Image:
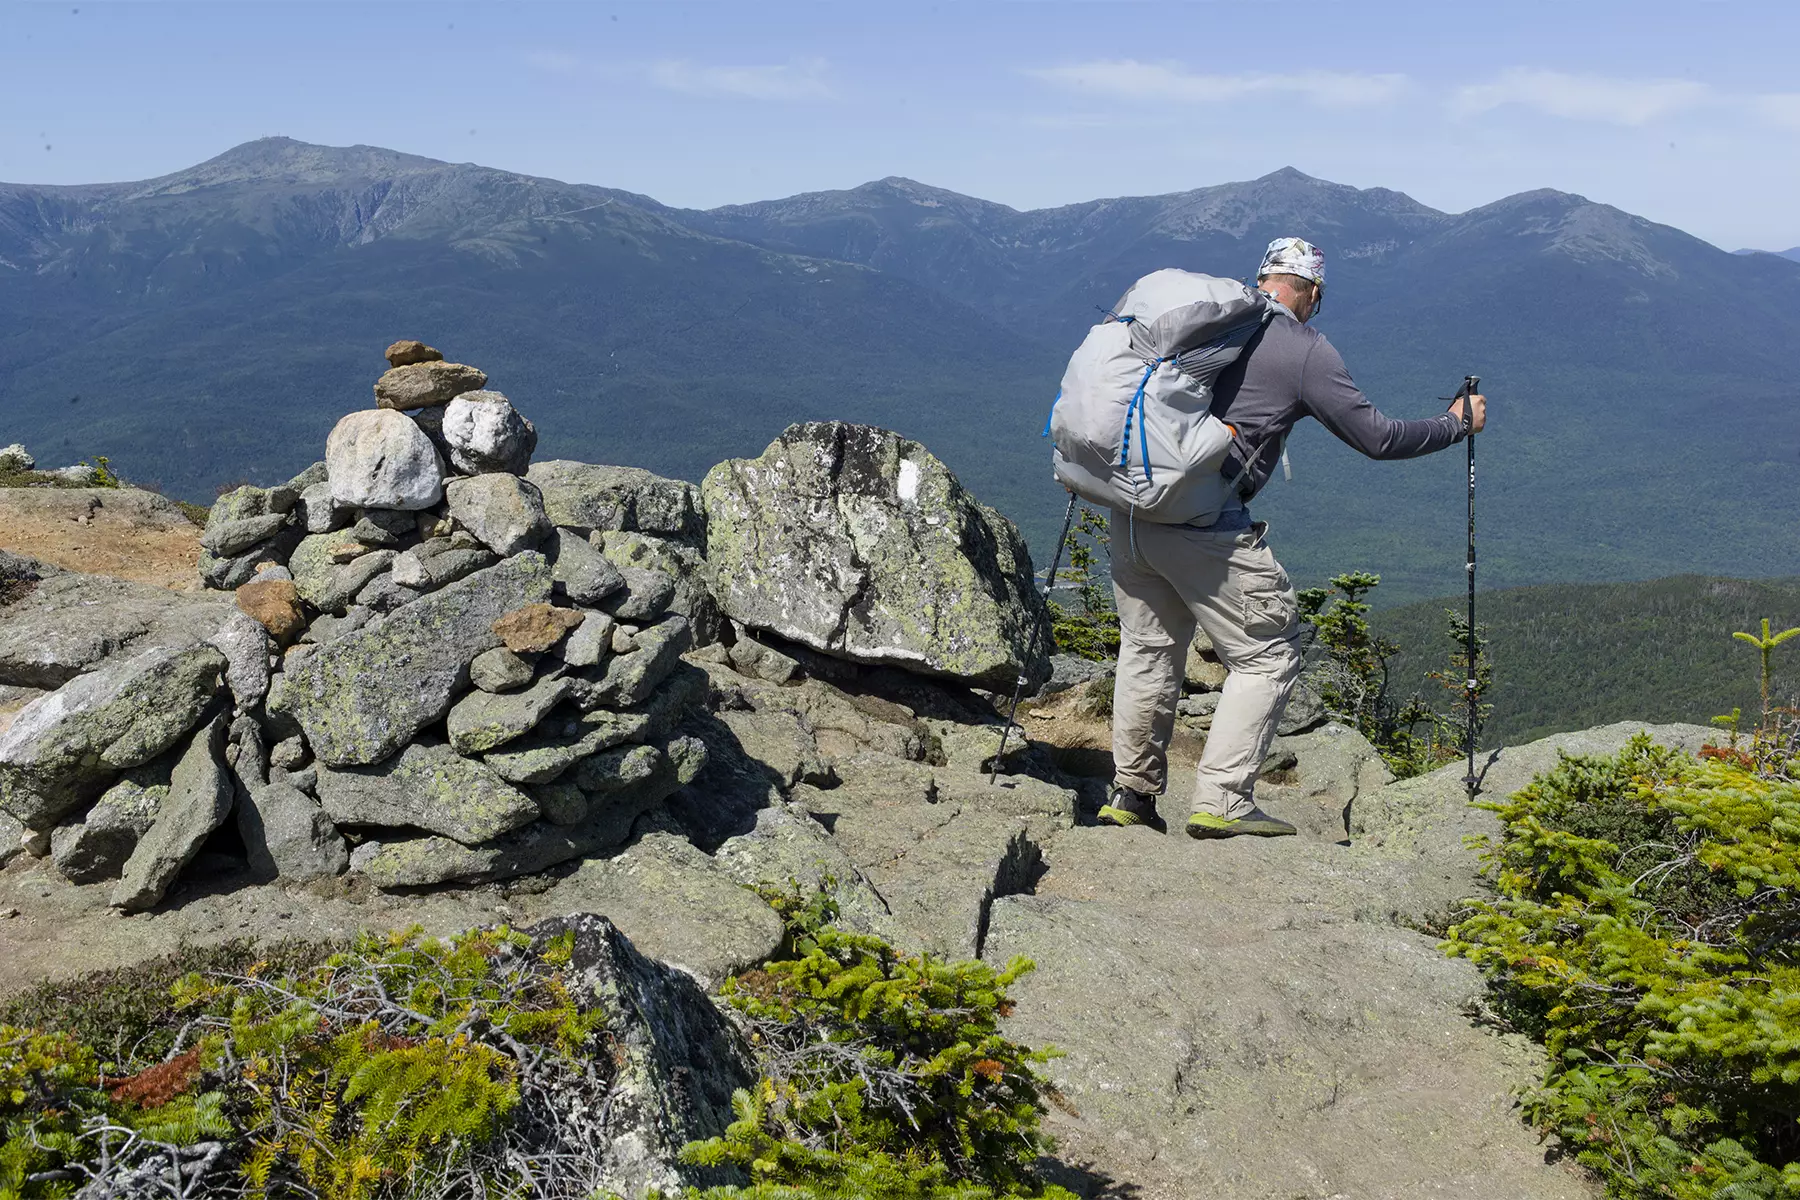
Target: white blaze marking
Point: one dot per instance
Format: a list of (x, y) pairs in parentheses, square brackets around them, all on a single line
[(909, 479)]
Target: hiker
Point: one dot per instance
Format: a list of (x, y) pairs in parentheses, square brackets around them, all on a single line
[(1221, 575)]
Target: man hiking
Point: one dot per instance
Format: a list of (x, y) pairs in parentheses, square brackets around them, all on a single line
[(1167, 578)]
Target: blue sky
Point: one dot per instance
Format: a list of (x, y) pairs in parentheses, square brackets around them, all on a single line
[(1687, 112)]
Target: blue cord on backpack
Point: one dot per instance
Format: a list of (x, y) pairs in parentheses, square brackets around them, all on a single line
[(1136, 407)]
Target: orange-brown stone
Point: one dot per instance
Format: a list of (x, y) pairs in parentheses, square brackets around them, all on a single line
[(536, 627), (275, 603)]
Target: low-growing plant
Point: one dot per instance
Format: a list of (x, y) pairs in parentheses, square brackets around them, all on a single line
[(1090, 628), (1645, 930), (884, 1074)]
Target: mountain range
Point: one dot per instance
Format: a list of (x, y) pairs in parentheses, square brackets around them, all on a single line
[(211, 325)]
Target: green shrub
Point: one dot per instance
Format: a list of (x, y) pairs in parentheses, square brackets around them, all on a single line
[(1645, 931), (884, 1075)]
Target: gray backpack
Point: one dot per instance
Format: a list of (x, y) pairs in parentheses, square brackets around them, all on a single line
[(1133, 430)]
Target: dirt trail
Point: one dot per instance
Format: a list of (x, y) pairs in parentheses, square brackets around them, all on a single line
[(122, 532)]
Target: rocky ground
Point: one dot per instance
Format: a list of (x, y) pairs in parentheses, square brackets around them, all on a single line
[(124, 533), (435, 725)]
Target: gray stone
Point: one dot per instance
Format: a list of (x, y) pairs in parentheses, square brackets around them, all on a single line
[(234, 571), (289, 754), (286, 834), (1305, 710), (561, 802), (589, 642), (36, 843), (457, 563), (647, 595), (788, 848), (1068, 670), (1203, 705), (246, 647), (329, 627), (615, 769), (425, 385), (682, 563), (381, 459), (502, 510), (199, 800), (481, 720), (677, 1062), (318, 512), (384, 527), (96, 847), (326, 583), (16, 458), (562, 741), (384, 595), (499, 670), (12, 837), (624, 639), (861, 544), (484, 433), (750, 657), (677, 904), (782, 744), (79, 474), (582, 573), (1203, 671), (251, 501), (62, 748), (272, 573), (317, 473), (366, 694), (418, 862), (227, 538), (69, 623), (630, 678), (589, 496), (428, 786)]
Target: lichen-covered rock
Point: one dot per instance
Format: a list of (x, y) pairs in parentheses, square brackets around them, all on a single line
[(499, 670), (534, 628), (97, 847), (385, 527), (589, 496), (564, 740), (69, 623), (861, 544), (484, 432), (582, 573), (503, 511), (286, 834), (481, 720), (199, 800), (381, 459), (630, 678), (682, 563), (248, 501), (426, 384), (647, 594), (64, 747), (329, 569), (418, 862), (427, 786), (318, 512), (366, 694), (245, 644), (226, 538), (590, 641), (16, 458)]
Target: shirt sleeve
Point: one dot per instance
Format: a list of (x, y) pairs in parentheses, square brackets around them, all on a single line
[(1329, 394)]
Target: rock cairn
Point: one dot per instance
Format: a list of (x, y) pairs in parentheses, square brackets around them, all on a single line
[(443, 663)]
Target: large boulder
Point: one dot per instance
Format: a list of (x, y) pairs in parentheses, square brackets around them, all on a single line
[(484, 432), (366, 694), (859, 543), (286, 834), (98, 846), (67, 623), (382, 459), (590, 496), (503, 511), (64, 747), (199, 800)]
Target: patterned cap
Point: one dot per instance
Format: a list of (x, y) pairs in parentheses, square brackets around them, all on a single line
[(1292, 256)]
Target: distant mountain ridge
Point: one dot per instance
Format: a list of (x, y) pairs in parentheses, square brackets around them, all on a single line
[(207, 324)]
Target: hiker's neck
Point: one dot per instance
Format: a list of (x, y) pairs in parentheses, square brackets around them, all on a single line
[(1289, 298)]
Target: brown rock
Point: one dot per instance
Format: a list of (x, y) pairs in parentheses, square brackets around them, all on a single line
[(407, 351), (275, 603), (345, 552), (426, 385), (536, 627)]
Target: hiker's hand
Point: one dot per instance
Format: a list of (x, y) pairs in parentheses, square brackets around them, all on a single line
[(1479, 406)]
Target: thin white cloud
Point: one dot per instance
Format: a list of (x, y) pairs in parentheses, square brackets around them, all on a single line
[(1128, 79), (554, 62), (1779, 108), (804, 80), (1582, 97)]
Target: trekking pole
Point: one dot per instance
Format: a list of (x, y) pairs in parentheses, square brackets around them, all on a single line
[(1031, 649), (1471, 385)]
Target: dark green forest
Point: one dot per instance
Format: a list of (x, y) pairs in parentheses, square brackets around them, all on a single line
[(1570, 656)]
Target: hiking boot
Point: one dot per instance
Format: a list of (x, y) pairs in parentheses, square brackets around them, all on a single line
[(1255, 823), (1126, 808)]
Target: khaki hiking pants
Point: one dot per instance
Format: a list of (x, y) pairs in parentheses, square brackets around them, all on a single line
[(1167, 578)]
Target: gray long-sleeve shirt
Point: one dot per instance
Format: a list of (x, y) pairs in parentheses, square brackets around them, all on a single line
[(1289, 371)]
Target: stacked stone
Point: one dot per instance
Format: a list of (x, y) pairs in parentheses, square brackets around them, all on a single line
[(447, 665)]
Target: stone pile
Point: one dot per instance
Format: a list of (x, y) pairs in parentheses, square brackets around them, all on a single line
[(445, 664)]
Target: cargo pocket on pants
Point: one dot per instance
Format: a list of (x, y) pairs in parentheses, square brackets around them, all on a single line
[(1270, 607)]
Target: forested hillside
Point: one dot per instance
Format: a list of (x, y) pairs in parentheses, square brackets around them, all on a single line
[(1570, 656)]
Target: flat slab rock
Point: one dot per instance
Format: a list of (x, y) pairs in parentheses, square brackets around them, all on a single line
[(427, 786), (857, 542), (69, 623), (364, 695)]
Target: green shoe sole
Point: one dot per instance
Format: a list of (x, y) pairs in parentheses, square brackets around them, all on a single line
[(1125, 818), (1257, 824)]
